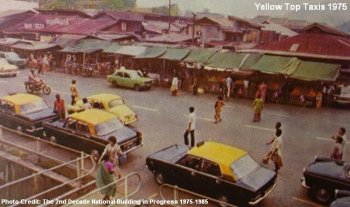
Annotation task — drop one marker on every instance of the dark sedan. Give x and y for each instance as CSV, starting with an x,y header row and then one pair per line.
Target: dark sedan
x,y
324,176
25,113
89,130
215,170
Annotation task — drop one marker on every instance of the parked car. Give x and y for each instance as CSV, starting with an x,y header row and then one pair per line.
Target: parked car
x,y
344,96
6,69
215,170
108,102
324,176
25,113
129,79
89,130
343,199
13,58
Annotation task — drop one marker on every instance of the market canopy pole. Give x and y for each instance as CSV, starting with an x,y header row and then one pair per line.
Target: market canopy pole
x,y
169,16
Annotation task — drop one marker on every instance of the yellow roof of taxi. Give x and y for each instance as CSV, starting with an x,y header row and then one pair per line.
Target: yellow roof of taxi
x,y
93,116
104,97
219,153
21,98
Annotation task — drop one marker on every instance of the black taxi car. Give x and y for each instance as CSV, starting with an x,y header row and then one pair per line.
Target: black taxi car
x,y
324,177
25,113
89,130
215,170
343,199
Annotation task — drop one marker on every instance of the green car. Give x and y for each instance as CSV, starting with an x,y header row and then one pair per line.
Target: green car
x,y
129,79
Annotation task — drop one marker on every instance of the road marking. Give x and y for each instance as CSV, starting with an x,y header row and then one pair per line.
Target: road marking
x,y
3,81
261,128
145,108
306,202
153,196
61,92
230,107
281,115
202,118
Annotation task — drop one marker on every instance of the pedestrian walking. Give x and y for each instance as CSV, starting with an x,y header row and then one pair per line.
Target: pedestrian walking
x,y
114,152
86,104
228,86
174,86
74,92
245,88
337,153
191,127
275,153
218,107
258,107
40,65
341,133
105,177
59,107
45,63
263,90
319,100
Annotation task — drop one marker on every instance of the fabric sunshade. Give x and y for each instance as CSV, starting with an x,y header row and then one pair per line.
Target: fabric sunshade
x,y
130,50
276,65
175,54
152,52
199,55
315,71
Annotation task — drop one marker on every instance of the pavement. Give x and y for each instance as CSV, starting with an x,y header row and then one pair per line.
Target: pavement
x,y
162,119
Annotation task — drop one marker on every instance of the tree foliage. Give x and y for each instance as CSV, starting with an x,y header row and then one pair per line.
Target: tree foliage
x,y
164,10
80,4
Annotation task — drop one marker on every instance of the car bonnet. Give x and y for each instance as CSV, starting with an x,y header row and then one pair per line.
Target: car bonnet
x,y
123,134
258,178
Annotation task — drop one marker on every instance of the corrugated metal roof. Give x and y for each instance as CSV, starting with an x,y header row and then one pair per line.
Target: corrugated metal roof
x,y
34,46
112,48
227,60
312,43
87,46
171,38
268,26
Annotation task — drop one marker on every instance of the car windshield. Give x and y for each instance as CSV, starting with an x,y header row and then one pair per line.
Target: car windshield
x,y
108,127
116,102
11,55
33,107
244,166
134,75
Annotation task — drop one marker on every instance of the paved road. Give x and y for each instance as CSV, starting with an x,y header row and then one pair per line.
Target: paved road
x,y
306,131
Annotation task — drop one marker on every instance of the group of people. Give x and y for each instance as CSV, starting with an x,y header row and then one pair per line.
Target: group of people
x,y
43,62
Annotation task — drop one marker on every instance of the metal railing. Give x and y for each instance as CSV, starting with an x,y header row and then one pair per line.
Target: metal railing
x,y
177,190
125,181
79,164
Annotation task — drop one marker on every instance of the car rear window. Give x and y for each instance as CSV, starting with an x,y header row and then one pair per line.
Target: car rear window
x,y
108,127
33,107
244,166
116,102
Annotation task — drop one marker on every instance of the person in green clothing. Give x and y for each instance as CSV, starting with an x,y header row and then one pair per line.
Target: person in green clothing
x,y
105,177
258,107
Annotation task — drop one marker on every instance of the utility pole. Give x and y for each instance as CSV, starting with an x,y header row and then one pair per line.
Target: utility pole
x,y
169,16
193,27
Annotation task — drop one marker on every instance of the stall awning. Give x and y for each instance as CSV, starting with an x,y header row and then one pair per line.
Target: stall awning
x,y
34,46
226,60
276,65
152,52
315,71
175,54
130,50
199,55
87,46
250,60
112,48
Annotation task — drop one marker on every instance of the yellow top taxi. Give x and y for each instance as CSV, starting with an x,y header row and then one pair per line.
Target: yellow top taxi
x,y
25,112
213,169
108,102
89,130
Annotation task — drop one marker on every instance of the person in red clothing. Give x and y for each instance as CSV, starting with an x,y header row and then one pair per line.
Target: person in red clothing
x,y
59,107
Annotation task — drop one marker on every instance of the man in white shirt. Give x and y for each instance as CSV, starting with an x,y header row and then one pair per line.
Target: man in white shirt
x,y
342,134
275,153
191,127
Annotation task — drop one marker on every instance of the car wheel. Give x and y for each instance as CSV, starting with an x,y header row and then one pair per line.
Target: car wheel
x,y
137,87
224,199
159,177
114,84
29,88
323,195
53,139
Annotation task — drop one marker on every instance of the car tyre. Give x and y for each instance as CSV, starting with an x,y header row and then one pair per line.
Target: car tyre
x,y
29,88
159,177
323,195
137,87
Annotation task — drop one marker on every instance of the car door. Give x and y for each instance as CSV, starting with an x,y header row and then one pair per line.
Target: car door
x,y
210,177
119,78
10,119
128,81
187,171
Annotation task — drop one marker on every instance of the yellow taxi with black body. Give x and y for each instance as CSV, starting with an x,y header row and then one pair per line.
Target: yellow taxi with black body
x,y
25,113
215,170
109,102
89,130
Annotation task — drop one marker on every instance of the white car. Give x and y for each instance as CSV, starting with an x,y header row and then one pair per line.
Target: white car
x,y
344,97
6,69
